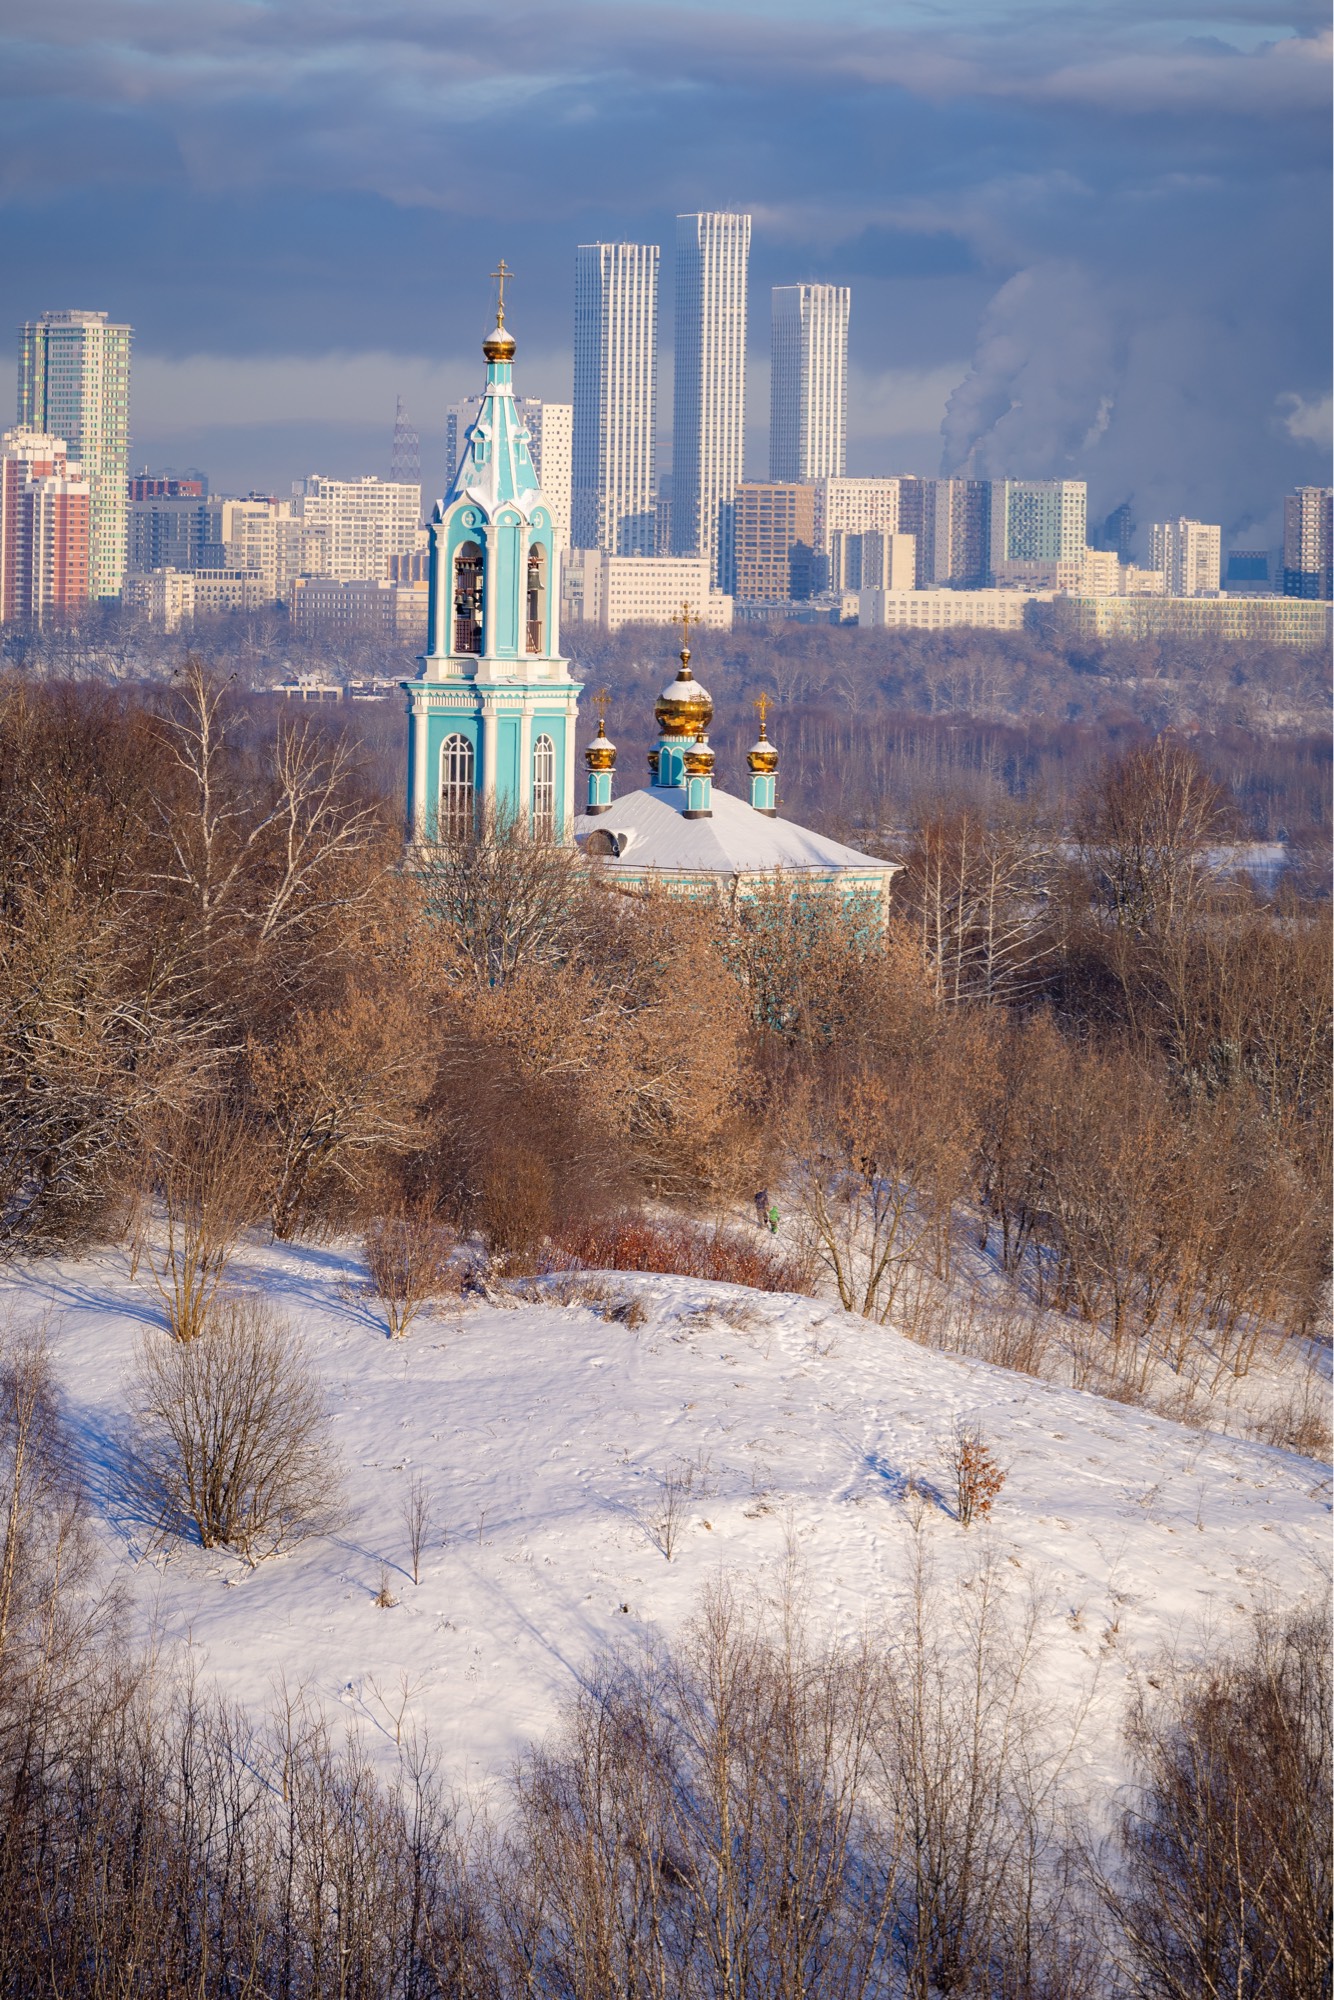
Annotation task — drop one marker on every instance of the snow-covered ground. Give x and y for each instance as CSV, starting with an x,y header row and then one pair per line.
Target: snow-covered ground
x,y
543,1431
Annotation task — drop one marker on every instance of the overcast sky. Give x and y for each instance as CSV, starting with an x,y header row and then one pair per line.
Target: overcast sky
x,y
1084,240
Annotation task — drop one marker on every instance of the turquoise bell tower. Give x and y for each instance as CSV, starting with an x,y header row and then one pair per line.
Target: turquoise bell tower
x,y
492,712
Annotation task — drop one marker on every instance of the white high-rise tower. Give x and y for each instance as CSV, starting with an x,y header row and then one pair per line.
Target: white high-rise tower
x,y
615,397
709,404
808,382
74,382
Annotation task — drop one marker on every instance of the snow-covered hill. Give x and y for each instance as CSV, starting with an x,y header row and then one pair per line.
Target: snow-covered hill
x,y
543,1431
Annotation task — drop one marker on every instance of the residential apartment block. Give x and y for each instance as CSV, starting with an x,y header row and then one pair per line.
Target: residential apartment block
x,y
364,522
611,591
362,607
74,383
1308,538
1190,556
45,528
775,540
1038,533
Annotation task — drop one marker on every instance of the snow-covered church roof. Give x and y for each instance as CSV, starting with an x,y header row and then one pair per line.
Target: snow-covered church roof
x,y
649,830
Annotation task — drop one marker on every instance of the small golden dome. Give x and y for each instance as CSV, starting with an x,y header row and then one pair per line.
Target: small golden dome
x,y
601,752
499,344
698,761
684,708
762,757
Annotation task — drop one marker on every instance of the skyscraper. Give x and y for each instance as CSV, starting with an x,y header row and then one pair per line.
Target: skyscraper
x,y
1308,541
1189,554
808,382
74,383
709,403
615,397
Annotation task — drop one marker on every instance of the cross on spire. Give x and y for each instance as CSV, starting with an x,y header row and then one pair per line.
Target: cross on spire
x,y
688,619
763,703
602,702
501,272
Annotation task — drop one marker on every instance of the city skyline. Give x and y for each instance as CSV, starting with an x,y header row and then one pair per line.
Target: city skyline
x,y
1084,240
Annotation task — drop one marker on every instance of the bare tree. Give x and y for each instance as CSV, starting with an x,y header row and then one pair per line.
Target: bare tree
x,y
258,863
509,902
408,1257
206,1171
976,893
418,1512
232,1433
1225,1877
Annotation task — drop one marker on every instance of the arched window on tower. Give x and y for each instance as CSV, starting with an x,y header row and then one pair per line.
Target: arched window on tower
x,y
458,799
468,599
537,596
544,789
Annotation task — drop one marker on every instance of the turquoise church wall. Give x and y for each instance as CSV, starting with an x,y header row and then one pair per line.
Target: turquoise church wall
x,y
501,697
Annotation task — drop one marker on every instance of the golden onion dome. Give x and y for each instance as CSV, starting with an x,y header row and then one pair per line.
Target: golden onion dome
x,y
762,757
499,344
698,761
601,752
684,708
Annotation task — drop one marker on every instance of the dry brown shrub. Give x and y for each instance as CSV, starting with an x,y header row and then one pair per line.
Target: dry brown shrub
x,y
231,1433
975,1475
632,1243
409,1257
205,1168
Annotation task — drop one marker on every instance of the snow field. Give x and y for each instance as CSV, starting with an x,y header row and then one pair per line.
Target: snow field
x,y
792,1431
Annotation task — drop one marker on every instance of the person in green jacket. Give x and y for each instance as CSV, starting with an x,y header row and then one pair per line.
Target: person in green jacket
x,y
773,1219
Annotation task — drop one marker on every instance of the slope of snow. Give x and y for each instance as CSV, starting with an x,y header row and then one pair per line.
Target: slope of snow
x,y
543,1431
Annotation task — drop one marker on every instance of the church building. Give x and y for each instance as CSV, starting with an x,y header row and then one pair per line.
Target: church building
x,y
683,832
492,712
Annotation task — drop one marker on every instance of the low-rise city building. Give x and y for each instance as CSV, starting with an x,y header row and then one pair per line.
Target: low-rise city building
x,y
360,607
611,591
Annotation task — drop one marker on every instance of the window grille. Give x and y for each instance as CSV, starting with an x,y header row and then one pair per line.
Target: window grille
x,y
457,789
544,788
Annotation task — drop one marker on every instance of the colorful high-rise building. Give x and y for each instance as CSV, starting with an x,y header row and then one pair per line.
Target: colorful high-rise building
x,y
74,383
808,382
44,528
613,501
709,391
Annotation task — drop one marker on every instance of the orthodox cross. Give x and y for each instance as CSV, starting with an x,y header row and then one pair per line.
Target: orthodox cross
x,y
763,703
688,619
602,702
501,272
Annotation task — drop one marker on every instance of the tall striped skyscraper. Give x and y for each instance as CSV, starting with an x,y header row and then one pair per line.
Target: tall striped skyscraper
x,y
808,382
74,383
615,397
709,404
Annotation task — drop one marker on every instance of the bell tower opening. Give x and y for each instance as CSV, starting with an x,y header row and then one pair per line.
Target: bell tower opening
x,y
468,599
537,598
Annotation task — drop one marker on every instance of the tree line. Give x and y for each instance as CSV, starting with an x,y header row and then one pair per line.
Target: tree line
x,y
223,1000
